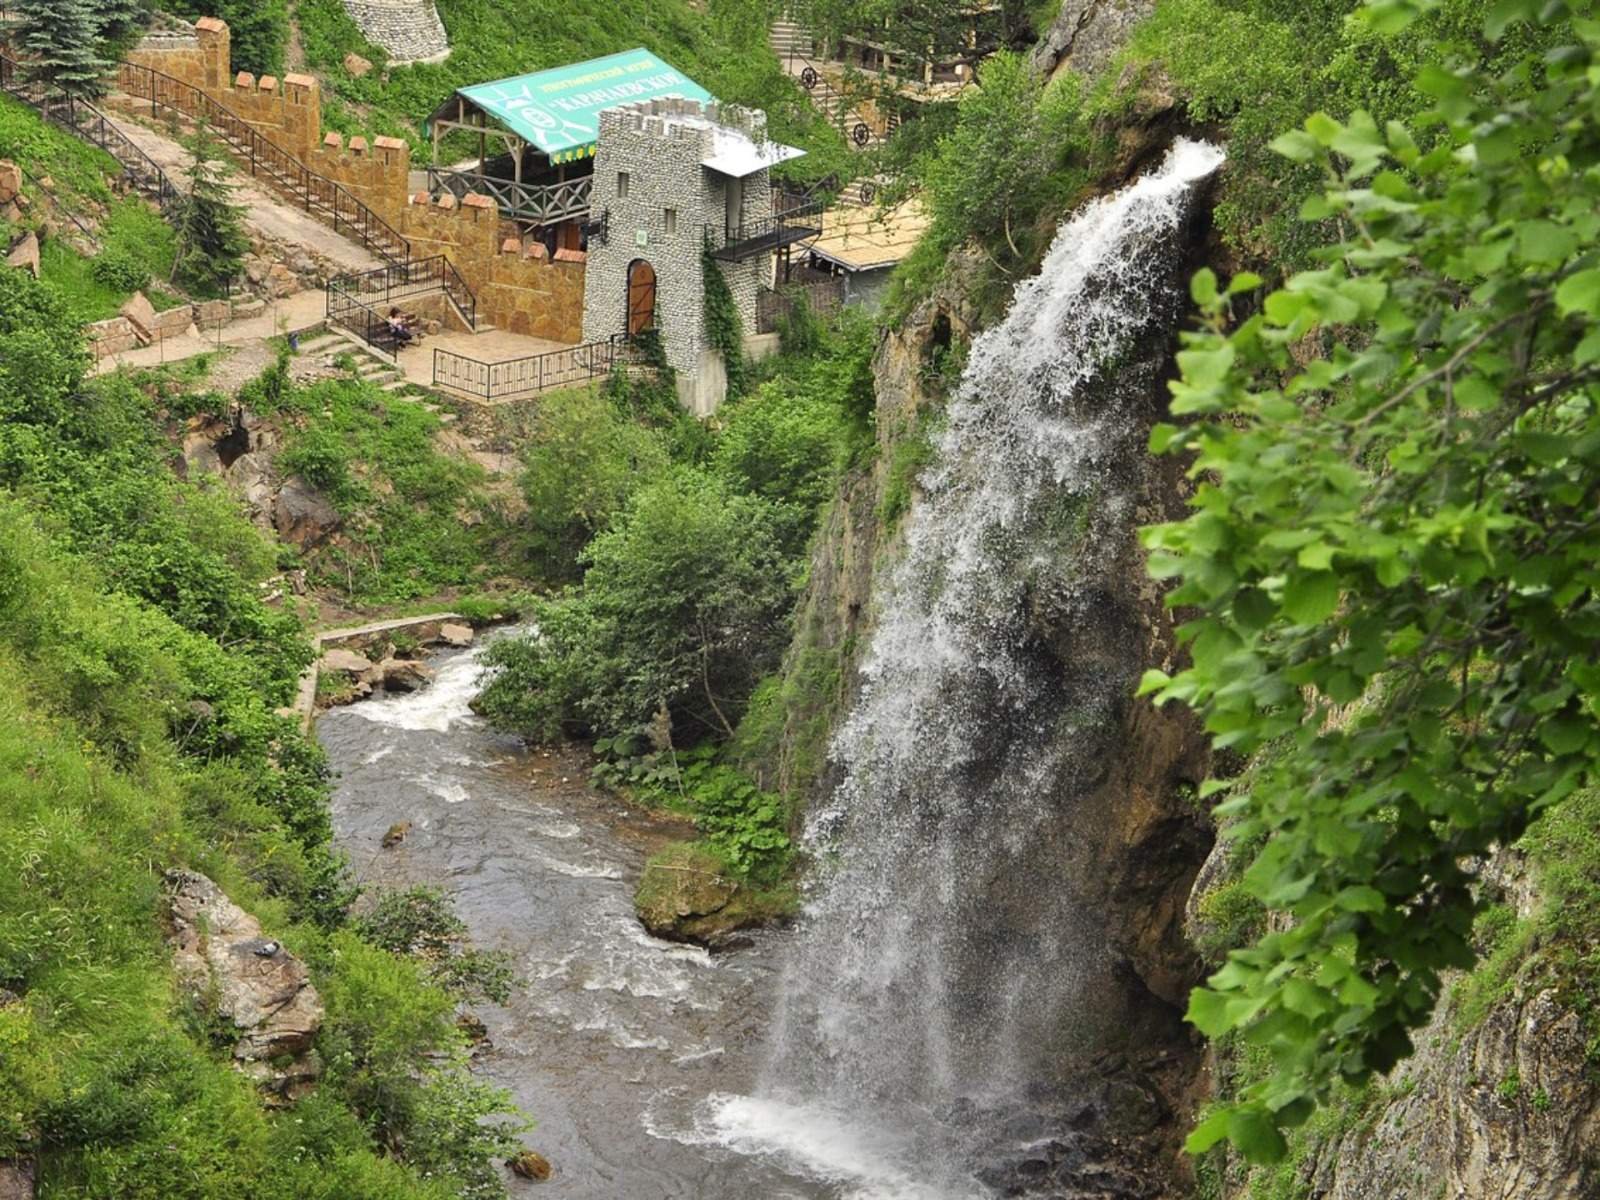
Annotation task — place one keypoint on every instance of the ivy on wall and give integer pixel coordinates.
(724, 328)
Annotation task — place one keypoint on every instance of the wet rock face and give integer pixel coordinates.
(255, 987)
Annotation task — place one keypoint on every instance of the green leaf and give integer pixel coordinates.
(1255, 1135)
(1295, 145)
(1208, 1133)
(1208, 1012)
(1580, 292)
(1311, 597)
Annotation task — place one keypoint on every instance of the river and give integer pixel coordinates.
(616, 1041)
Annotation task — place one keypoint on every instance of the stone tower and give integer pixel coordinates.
(410, 30)
(661, 194)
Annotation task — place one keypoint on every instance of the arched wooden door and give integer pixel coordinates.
(641, 296)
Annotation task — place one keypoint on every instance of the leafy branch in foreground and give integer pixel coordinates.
(1394, 556)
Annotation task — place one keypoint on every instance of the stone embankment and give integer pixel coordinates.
(368, 658)
(410, 30)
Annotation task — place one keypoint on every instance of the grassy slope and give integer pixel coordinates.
(724, 47)
(79, 177)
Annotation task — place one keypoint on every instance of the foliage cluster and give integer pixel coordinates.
(139, 681)
(258, 29)
(420, 921)
(1400, 517)
(211, 241)
(687, 584)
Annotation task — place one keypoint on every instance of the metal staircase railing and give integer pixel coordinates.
(265, 159)
(88, 122)
(405, 280)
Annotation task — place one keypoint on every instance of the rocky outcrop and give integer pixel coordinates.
(302, 515)
(410, 30)
(685, 895)
(1086, 34)
(259, 994)
(1508, 1110)
(24, 256)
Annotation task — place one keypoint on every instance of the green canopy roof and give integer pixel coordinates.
(559, 110)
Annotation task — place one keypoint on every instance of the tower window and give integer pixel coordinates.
(622, 185)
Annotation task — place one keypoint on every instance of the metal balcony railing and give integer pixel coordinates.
(520, 377)
(387, 286)
(795, 224)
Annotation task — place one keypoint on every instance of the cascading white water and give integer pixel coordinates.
(941, 960)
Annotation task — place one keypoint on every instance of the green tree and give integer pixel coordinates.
(59, 41)
(210, 227)
(1393, 553)
(258, 30)
(119, 20)
(583, 460)
(683, 604)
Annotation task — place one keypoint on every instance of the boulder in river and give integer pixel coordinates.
(398, 832)
(530, 1164)
(404, 675)
(687, 895)
(452, 634)
(348, 662)
(250, 983)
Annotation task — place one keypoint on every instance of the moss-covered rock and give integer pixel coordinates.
(686, 895)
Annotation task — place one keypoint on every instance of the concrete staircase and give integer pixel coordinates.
(372, 364)
(790, 40)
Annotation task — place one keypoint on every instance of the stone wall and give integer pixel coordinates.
(201, 61)
(409, 30)
(660, 145)
(376, 172)
(517, 285)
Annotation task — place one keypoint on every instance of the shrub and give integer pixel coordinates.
(683, 605)
(120, 270)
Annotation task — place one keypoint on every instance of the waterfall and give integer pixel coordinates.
(943, 962)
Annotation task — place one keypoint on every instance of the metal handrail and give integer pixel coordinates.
(320, 195)
(360, 318)
(545, 202)
(533, 374)
(398, 281)
(89, 123)
(800, 223)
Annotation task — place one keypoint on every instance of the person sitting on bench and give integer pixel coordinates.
(402, 332)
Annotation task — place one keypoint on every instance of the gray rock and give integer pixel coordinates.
(302, 515)
(1086, 35)
(25, 255)
(403, 675)
(348, 662)
(223, 960)
(455, 635)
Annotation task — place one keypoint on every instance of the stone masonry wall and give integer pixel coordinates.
(659, 145)
(410, 30)
(517, 286)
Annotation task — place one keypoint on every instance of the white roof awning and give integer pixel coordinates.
(738, 154)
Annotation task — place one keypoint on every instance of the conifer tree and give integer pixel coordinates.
(59, 41)
(211, 237)
(119, 20)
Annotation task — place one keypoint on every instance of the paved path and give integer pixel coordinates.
(293, 314)
(265, 212)
(495, 346)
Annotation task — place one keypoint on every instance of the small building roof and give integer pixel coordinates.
(558, 111)
(858, 237)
